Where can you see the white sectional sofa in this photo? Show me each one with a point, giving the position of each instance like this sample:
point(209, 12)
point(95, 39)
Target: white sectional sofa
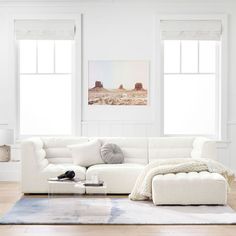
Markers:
point(48, 157)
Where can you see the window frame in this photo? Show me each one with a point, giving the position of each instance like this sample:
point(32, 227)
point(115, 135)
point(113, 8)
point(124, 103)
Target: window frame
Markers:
point(45, 73)
point(76, 79)
point(217, 77)
point(221, 86)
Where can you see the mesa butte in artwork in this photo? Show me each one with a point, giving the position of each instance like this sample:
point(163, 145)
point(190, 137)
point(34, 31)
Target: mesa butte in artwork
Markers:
point(118, 83)
point(98, 95)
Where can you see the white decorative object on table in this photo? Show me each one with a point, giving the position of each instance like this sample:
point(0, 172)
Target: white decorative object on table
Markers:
point(6, 138)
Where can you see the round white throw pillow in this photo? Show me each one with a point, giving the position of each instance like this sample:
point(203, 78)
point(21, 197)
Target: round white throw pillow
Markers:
point(112, 153)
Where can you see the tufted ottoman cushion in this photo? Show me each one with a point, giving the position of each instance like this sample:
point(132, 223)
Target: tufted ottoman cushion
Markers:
point(189, 189)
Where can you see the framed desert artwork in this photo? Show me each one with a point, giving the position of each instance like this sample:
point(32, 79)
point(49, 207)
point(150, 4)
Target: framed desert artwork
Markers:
point(118, 82)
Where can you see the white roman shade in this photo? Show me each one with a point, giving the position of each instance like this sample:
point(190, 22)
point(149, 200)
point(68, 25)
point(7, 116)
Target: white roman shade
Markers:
point(45, 29)
point(191, 29)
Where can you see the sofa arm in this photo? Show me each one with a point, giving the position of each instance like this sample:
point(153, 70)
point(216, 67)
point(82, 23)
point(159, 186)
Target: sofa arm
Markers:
point(33, 161)
point(204, 148)
point(32, 151)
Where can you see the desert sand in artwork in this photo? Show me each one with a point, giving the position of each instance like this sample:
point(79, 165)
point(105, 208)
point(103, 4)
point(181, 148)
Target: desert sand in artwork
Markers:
point(98, 95)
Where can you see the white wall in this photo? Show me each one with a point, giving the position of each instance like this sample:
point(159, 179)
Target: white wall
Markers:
point(119, 30)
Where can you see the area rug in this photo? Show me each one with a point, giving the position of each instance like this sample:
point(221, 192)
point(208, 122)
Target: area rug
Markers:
point(107, 210)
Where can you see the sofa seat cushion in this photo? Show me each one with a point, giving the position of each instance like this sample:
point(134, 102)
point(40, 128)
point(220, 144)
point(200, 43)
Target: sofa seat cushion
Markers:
point(119, 178)
point(192, 188)
point(53, 170)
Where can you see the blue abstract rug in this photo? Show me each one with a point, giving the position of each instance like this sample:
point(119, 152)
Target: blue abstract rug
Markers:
point(107, 210)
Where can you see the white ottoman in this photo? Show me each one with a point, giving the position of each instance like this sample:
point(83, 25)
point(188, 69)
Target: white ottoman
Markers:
point(189, 189)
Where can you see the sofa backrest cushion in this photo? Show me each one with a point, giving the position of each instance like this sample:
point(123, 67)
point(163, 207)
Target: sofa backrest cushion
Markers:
point(204, 148)
point(56, 148)
point(135, 150)
point(170, 147)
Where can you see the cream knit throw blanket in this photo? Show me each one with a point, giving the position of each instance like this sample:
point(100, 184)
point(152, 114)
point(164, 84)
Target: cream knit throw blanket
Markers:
point(143, 187)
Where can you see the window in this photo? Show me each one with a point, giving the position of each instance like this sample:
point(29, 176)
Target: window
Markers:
point(45, 71)
point(191, 91)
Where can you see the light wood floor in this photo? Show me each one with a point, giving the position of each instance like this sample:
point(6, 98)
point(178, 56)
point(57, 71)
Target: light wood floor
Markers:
point(10, 192)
